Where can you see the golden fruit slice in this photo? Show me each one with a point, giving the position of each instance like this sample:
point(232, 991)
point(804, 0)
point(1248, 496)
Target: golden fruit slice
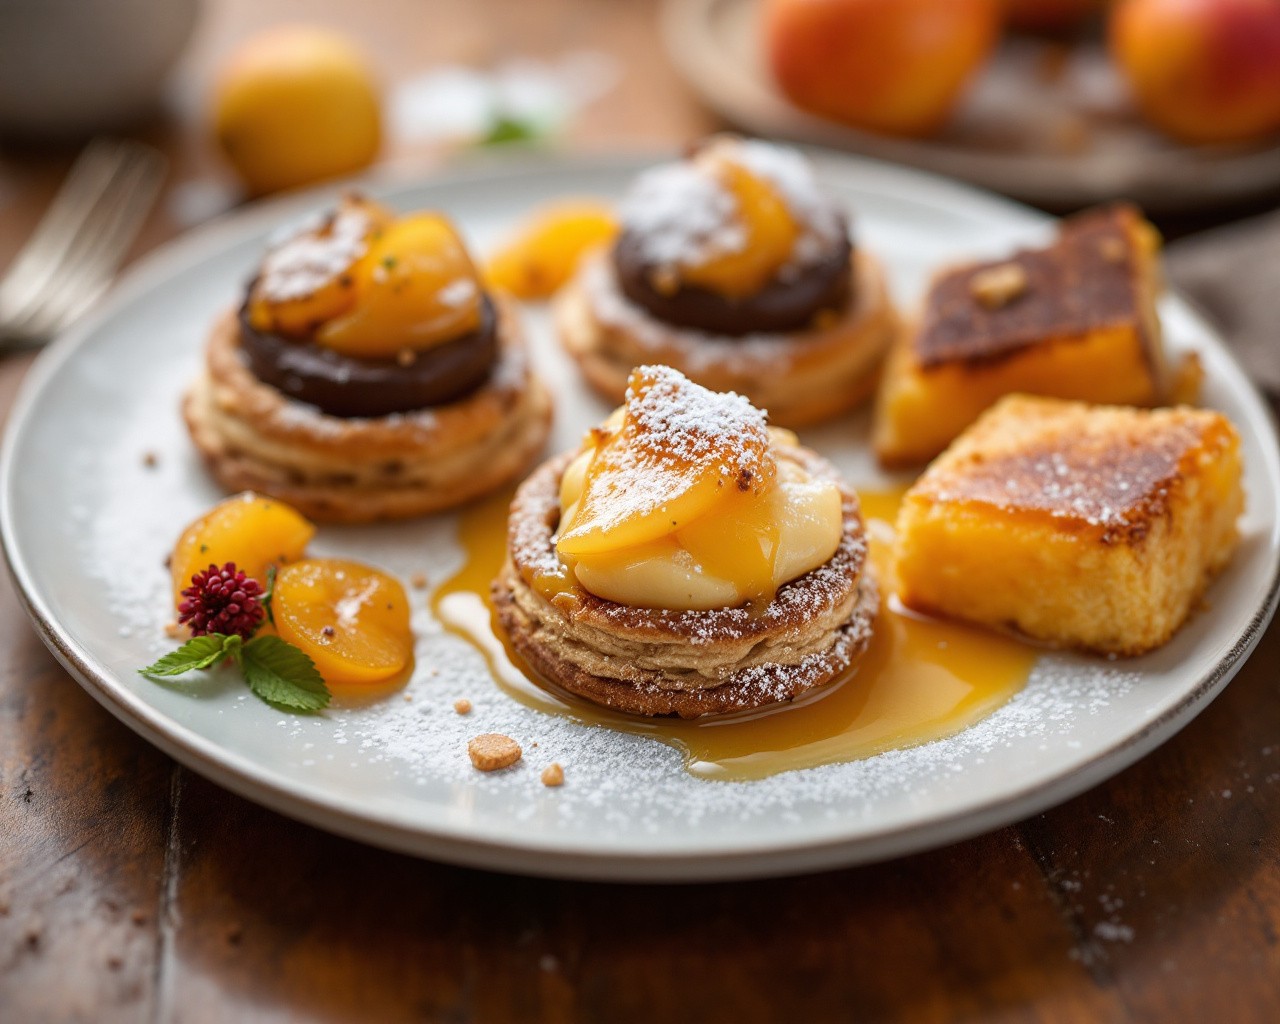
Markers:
point(415, 288)
point(351, 619)
point(253, 531)
point(309, 279)
point(771, 234)
point(680, 451)
point(545, 252)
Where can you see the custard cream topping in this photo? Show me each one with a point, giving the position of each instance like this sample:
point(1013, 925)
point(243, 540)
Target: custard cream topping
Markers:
point(679, 501)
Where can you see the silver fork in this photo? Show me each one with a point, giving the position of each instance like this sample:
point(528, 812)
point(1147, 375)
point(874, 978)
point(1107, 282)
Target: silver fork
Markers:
point(78, 245)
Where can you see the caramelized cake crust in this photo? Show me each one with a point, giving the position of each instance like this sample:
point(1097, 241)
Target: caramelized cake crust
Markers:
point(1084, 526)
point(1074, 320)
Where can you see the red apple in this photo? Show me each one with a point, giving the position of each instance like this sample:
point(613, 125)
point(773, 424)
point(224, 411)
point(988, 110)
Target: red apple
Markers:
point(895, 66)
point(1202, 70)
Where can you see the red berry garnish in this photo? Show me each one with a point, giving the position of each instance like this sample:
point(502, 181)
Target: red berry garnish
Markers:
point(222, 601)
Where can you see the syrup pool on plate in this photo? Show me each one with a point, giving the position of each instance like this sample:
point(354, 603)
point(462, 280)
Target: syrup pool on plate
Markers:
point(919, 680)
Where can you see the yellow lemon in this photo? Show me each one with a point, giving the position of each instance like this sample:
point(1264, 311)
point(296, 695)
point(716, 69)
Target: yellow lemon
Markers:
point(296, 104)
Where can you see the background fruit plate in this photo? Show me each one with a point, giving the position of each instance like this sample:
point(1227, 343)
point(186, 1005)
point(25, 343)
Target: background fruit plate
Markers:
point(1039, 123)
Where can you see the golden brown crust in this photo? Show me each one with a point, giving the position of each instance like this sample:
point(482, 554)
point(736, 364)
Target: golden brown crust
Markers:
point(1092, 527)
point(1092, 468)
point(1093, 277)
point(253, 437)
point(801, 378)
point(688, 663)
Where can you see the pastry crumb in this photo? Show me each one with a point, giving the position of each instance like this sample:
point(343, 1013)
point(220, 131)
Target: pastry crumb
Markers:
point(553, 775)
point(115, 962)
point(150, 460)
point(173, 629)
point(418, 581)
point(462, 706)
point(491, 751)
point(996, 287)
point(406, 357)
point(408, 698)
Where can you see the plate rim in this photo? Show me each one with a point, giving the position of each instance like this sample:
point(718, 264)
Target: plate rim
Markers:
point(465, 843)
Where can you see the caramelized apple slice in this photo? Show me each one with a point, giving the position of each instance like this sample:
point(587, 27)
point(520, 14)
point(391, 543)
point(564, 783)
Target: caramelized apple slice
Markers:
point(680, 451)
point(308, 279)
point(416, 287)
point(250, 530)
point(771, 233)
point(351, 619)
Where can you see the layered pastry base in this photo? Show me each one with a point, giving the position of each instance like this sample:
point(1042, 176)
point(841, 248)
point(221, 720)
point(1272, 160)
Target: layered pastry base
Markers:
point(689, 560)
point(368, 375)
point(1074, 320)
point(734, 267)
point(1084, 526)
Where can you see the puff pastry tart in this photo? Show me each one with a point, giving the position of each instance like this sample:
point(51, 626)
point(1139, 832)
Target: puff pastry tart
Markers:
point(688, 560)
point(735, 268)
point(368, 374)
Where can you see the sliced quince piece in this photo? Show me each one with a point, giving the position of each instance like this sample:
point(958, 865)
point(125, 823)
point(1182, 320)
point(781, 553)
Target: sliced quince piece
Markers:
point(545, 252)
point(253, 531)
point(309, 279)
point(415, 288)
point(681, 449)
point(770, 235)
point(351, 619)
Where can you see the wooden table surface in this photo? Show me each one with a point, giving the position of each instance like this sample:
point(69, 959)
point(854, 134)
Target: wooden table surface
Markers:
point(131, 889)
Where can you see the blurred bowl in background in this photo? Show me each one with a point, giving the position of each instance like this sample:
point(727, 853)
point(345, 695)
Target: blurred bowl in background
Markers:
point(75, 67)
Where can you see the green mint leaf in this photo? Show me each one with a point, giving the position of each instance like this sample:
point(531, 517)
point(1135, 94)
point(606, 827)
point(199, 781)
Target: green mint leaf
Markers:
point(282, 675)
point(509, 129)
point(197, 653)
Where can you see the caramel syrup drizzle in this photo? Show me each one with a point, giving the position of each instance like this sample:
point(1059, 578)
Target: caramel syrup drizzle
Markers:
point(920, 679)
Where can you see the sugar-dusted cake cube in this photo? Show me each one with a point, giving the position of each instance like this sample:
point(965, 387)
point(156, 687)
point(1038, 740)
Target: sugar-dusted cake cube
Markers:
point(1095, 527)
point(1074, 320)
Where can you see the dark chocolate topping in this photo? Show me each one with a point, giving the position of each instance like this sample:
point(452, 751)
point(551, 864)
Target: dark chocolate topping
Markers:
point(781, 305)
point(342, 385)
point(1087, 280)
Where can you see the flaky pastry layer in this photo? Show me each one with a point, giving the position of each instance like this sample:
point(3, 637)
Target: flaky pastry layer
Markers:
point(254, 437)
point(801, 378)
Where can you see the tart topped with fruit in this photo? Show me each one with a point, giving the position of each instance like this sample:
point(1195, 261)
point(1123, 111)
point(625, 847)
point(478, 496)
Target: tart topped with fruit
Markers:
point(734, 267)
point(368, 373)
point(688, 560)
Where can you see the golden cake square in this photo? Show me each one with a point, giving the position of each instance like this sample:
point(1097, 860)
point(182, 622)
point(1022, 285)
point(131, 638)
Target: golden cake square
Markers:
point(1085, 526)
point(1074, 320)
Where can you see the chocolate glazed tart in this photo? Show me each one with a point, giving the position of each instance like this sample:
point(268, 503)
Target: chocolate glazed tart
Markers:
point(780, 306)
point(344, 386)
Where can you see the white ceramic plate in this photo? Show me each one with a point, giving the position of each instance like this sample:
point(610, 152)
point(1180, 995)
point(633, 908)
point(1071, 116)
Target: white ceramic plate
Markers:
point(1064, 140)
point(86, 527)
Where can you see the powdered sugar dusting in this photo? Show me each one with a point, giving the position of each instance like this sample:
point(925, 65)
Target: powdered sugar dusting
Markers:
point(674, 433)
point(301, 265)
point(683, 214)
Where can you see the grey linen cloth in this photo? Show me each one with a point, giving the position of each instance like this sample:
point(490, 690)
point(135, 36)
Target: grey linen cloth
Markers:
point(1233, 274)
